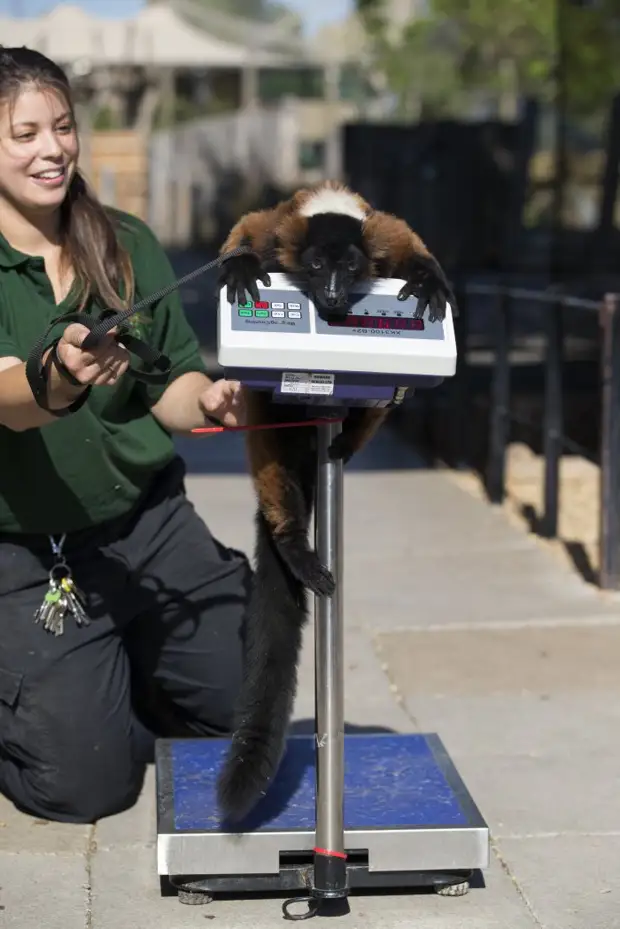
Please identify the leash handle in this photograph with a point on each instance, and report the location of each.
(156, 365)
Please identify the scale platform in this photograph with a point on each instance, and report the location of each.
(409, 819)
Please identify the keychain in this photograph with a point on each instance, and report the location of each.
(62, 597)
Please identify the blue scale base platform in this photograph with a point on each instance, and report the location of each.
(408, 816)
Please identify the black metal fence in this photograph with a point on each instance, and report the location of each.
(554, 442)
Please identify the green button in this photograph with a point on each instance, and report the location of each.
(247, 304)
(246, 313)
(262, 313)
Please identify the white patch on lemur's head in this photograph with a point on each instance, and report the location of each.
(327, 200)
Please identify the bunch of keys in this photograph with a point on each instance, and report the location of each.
(62, 597)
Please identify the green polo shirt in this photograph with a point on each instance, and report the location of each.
(92, 466)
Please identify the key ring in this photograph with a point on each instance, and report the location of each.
(59, 571)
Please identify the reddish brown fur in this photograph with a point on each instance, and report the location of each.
(390, 239)
(269, 479)
(258, 227)
(268, 476)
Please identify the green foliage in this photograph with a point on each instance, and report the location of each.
(592, 51)
(104, 119)
(492, 33)
(499, 48)
(420, 65)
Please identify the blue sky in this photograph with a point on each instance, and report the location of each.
(321, 11)
(315, 12)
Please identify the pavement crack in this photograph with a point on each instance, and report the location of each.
(393, 687)
(91, 848)
(526, 901)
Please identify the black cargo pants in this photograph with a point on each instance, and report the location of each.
(161, 656)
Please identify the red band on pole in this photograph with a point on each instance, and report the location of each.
(328, 854)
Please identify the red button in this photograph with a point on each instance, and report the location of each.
(261, 305)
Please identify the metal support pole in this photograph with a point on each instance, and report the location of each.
(330, 871)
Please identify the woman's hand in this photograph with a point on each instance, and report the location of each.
(225, 401)
(103, 365)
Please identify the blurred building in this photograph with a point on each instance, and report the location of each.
(126, 64)
(180, 101)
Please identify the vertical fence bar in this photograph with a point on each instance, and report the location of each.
(553, 419)
(499, 425)
(460, 400)
(609, 539)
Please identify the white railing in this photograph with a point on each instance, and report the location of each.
(203, 172)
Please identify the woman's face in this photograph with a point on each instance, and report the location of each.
(39, 150)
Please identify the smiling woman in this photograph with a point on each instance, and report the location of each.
(41, 131)
(91, 488)
(39, 174)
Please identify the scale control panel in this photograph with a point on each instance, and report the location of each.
(377, 334)
(370, 314)
(282, 311)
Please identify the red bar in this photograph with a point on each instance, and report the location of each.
(328, 854)
(304, 422)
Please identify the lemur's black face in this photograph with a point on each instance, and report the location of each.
(333, 259)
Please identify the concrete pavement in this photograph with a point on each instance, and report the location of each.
(456, 623)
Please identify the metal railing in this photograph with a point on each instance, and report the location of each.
(554, 440)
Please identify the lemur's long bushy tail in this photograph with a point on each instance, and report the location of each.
(277, 613)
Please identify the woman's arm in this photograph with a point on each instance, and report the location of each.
(19, 410)
(193, 398)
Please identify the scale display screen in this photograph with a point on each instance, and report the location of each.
(378, 322)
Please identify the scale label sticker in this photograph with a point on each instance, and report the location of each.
(300, 382)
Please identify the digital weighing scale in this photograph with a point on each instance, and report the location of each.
(344, 812)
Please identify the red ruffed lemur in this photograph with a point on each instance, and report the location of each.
(328, 237)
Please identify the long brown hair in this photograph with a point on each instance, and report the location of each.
(90, 244)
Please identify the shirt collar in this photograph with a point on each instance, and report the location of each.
(9, 256)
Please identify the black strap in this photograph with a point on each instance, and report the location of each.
(156, 368)
(61, 367)
(53, 359)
